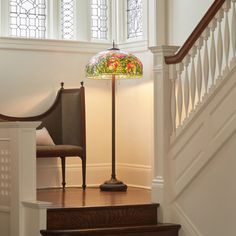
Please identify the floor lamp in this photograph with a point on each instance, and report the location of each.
(114, 64)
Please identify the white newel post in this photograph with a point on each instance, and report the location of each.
(162, 125)
(18, 180)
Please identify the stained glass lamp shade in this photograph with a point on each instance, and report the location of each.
(114, 64)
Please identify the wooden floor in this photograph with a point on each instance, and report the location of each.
(76, 197)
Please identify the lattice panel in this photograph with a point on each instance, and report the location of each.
(28, 18)
(134, 18)
(99, 19)
(67, 19)
(5, 172)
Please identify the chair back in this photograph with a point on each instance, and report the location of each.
(64, 120)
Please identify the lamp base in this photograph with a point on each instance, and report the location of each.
(113, 185)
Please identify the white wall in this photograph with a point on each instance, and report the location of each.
(29, 82)
(214, 194)
(135, 125)
(184, 15)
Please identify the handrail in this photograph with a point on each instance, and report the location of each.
(179, 56)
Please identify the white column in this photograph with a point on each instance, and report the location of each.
(23, 154)
(162, 123)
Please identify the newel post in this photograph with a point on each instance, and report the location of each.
(20, 213)
(162, 125)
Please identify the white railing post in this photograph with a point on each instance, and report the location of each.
(226, 8)
(233, 30)
(162, 122)
(18, 176)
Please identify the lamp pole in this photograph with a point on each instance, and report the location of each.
(113, 184)
(113, 175)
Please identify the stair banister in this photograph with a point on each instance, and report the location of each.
(184, 50)
(202, 62)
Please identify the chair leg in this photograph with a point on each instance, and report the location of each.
(63, 169)
(84, 173)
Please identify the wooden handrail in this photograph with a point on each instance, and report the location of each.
(179, 56)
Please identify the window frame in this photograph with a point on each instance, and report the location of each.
(144, 23)
(126, 23)
(109, 24)
(6, 20)
(117, 26)
(122, 23)
(76, 25)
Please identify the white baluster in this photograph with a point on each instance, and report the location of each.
(179, 69)
(193, 52)
(234, 29)
(173, 97)
(213, 25)
(199, 69)
(206, 35)
(186, 85)
(219, 43)
(226, 8)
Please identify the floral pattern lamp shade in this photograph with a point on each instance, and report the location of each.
(114, 64)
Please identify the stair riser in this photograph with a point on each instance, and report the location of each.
(101, 217)
(170, 232)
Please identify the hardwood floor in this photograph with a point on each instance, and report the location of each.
(76, 197)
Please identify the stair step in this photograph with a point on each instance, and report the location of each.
(101, 217)
(144, 230)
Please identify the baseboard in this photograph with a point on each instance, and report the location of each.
(49, 174)
(4, 209)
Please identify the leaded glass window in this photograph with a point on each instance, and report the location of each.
(67, 19)
(134, 19)
(28, 18)
(99, 20)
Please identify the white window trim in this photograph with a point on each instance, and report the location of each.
(120, 21)
(53, 19)
(51, 45)
(48, 19)
(114, 21)
(82, 30)
(4, 18)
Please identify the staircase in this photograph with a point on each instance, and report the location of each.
(195, 126)
(124, 220)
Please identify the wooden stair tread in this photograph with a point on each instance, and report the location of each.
(157, 229)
